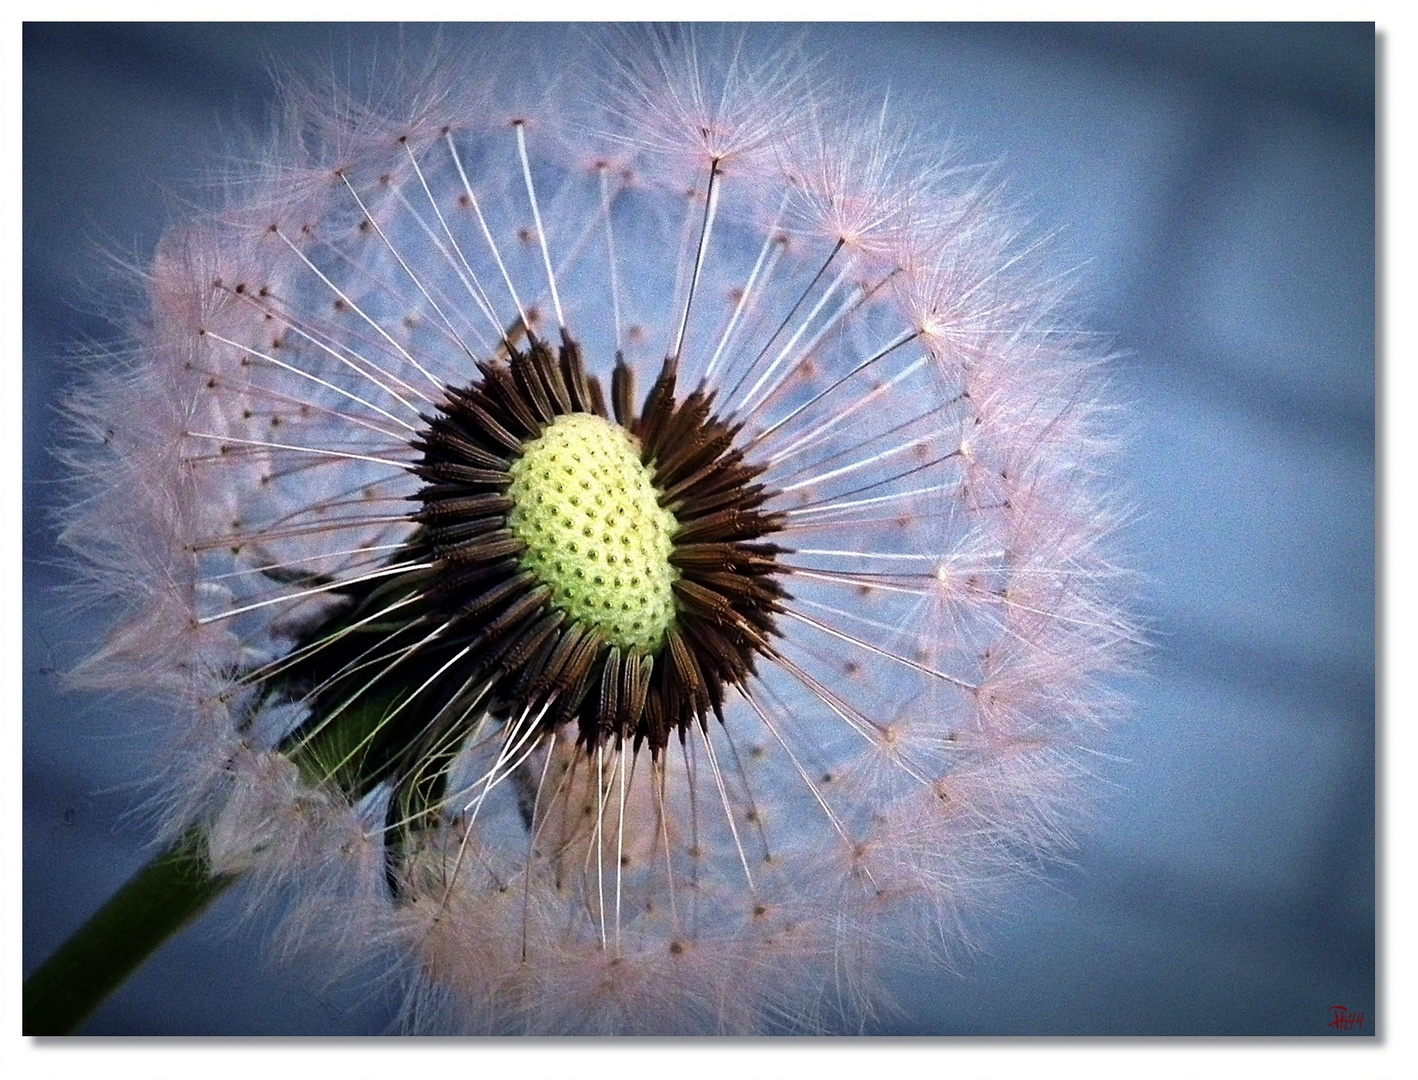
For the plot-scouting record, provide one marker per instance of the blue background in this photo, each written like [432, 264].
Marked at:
[1216, 185]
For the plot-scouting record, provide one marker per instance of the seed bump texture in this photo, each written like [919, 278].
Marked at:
[586, 508]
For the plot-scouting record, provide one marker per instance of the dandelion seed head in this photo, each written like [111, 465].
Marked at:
[636, 560]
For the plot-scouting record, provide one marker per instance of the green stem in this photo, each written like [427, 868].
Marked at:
[156, 902]
[162, 897]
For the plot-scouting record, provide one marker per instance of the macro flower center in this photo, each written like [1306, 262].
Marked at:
[588, 557]
[586, 508]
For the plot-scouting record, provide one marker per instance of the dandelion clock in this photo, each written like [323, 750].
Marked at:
[619, 546]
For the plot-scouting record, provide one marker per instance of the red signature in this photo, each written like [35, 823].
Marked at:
[1344, 1020]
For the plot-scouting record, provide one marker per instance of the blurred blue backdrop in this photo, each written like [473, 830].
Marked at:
[1216, 185]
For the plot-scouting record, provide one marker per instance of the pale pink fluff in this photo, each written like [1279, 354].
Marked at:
[933, 434]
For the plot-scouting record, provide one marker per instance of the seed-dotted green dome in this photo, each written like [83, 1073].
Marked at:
[596, 535]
